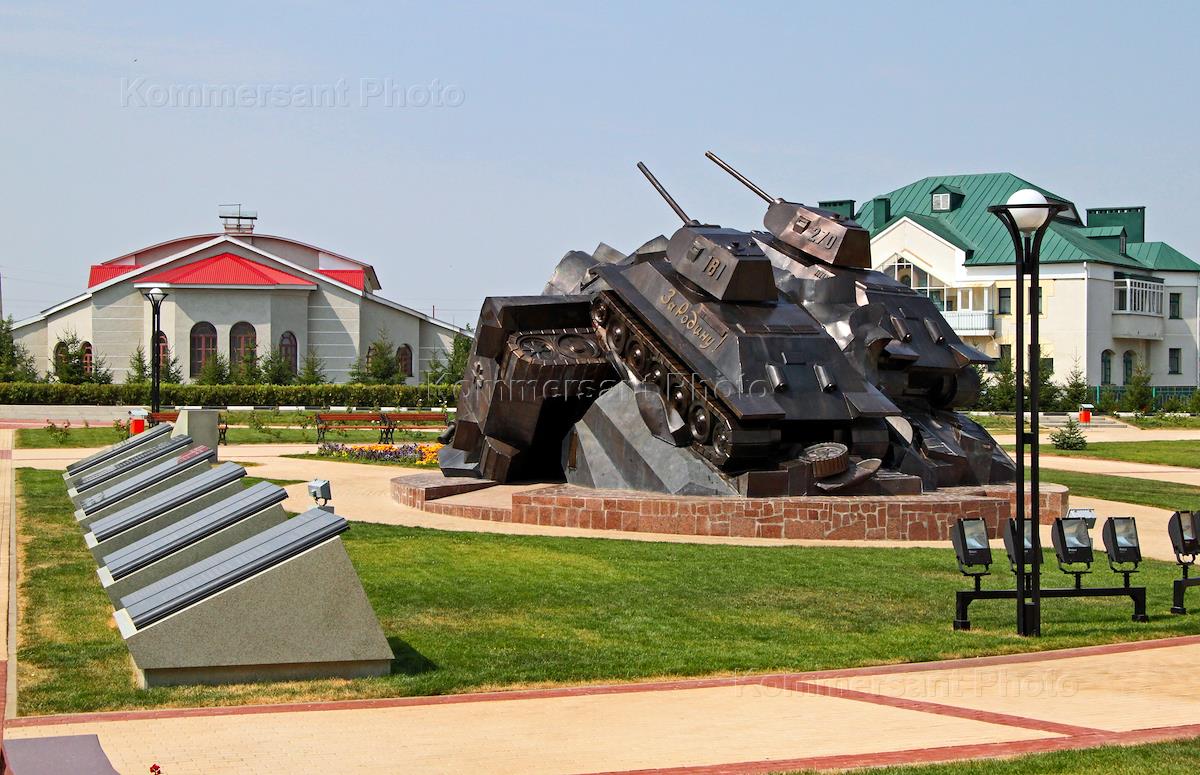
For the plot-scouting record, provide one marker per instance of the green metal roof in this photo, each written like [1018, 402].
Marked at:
[1160, 255]
[974, 229]
[1102, 231]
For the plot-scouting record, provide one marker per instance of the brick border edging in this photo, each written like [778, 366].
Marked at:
[765, 679]
[897, 517]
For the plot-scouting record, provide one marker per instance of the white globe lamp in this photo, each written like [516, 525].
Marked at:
[1032, 210]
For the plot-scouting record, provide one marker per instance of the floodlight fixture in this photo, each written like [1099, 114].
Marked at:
[1011, 547]
[320, 491]
[1184, 530]
[1088, 514]
[1072, 545]
[1121, 542]
[970, 540]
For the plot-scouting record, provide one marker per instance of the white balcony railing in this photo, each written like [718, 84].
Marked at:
[972, 322]
[1138, 297]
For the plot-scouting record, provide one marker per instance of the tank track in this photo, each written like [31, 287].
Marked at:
[713, 427]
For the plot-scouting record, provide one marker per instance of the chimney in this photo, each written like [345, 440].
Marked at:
[236, 220]
[1132, 218]
[843, 207]
[882, 213]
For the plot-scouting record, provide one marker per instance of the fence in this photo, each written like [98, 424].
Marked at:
[1161, 395]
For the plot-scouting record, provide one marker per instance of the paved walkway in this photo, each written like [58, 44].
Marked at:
[888, 715]
[1125, 433]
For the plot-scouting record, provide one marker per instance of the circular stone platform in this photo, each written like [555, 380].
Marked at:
[896, 517]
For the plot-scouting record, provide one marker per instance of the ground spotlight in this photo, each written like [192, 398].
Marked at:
[1121, 542]
[970, 540]
[1072, 543]
[1011, 546]
[1184, 530]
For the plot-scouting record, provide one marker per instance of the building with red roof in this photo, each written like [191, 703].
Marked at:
[234, 292]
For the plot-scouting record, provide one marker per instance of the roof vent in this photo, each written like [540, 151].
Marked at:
[236, 220]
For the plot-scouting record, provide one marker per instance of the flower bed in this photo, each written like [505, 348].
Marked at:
[409, 453]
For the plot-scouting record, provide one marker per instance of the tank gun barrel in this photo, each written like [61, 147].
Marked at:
[739, 177]
[663, 193]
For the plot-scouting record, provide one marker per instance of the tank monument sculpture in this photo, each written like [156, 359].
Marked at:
[722, 362]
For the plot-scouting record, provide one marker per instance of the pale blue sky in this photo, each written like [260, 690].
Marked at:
[1096, 101]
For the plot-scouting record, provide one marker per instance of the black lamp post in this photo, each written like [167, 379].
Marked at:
[1027, 215]
[155, 296]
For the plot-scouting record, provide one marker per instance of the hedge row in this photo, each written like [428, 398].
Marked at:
[231, 395]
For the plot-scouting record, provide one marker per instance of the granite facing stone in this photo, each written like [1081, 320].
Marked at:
[200, 424]
[923, 517]
[306, 617]
[188, 555]
[417, 489]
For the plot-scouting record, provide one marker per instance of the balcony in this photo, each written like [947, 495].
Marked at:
[1137, 309]
[971, 322]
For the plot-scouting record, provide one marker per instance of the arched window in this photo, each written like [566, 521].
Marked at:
[60, 353]
[164, 348]
[1128, 361]
[88, 360]
[243, 341]
[288, 350]
[404, 360]
[204, 346]
[906, 273]
[1106, 359]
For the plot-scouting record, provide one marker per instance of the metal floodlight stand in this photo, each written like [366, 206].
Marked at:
[1181, 585]
[964, 597]
[1028, 248]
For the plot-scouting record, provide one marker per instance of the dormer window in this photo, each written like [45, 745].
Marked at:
[941, 203]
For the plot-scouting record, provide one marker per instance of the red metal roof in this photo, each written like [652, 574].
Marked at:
[355, 278]
[104, 272]
[225, 269]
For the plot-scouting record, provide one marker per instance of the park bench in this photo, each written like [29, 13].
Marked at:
[400, 418]
[222, 423]
[356, 421]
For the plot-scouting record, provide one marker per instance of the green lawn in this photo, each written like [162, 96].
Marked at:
[1174, 757]
[1127, 489]
[40, 438]
[1184, 453]
[996, 422]
[1156, 421]
[469, 611]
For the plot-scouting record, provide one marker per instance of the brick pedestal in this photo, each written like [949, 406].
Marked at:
[899, 517]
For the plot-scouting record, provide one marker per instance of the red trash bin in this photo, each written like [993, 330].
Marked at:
[136, 426]
[1085, 413]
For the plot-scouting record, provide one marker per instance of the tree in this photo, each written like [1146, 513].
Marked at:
[1139, 396]
[215, 371]
[139, 368]
[172, 372]
[276, 369]
[16, 364]
[312, 371]
[1075, 390]
[378, 366]
[246, 371]
[1070, 436]
[1002, 392]
[1049, 393]
[71, 362]
[451, 370]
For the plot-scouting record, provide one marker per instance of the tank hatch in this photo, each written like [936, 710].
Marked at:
[826, 236]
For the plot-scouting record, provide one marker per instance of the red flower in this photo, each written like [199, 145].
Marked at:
[155, 769]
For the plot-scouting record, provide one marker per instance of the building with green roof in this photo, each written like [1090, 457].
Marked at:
[1109, 299]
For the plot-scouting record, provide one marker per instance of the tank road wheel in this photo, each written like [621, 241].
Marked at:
[699, 423]
[656, 374]
[618, 336]
[635, 356]
[722, 439]
[536, 347]
[678, 396]
[578, 346]
[600, 313]
[828, 458]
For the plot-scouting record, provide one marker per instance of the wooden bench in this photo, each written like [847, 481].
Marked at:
[356, 421]
[399, 418]
[222, 423]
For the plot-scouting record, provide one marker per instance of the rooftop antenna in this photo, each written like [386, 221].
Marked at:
[236, 220]
[740, 178]
[663, 193]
